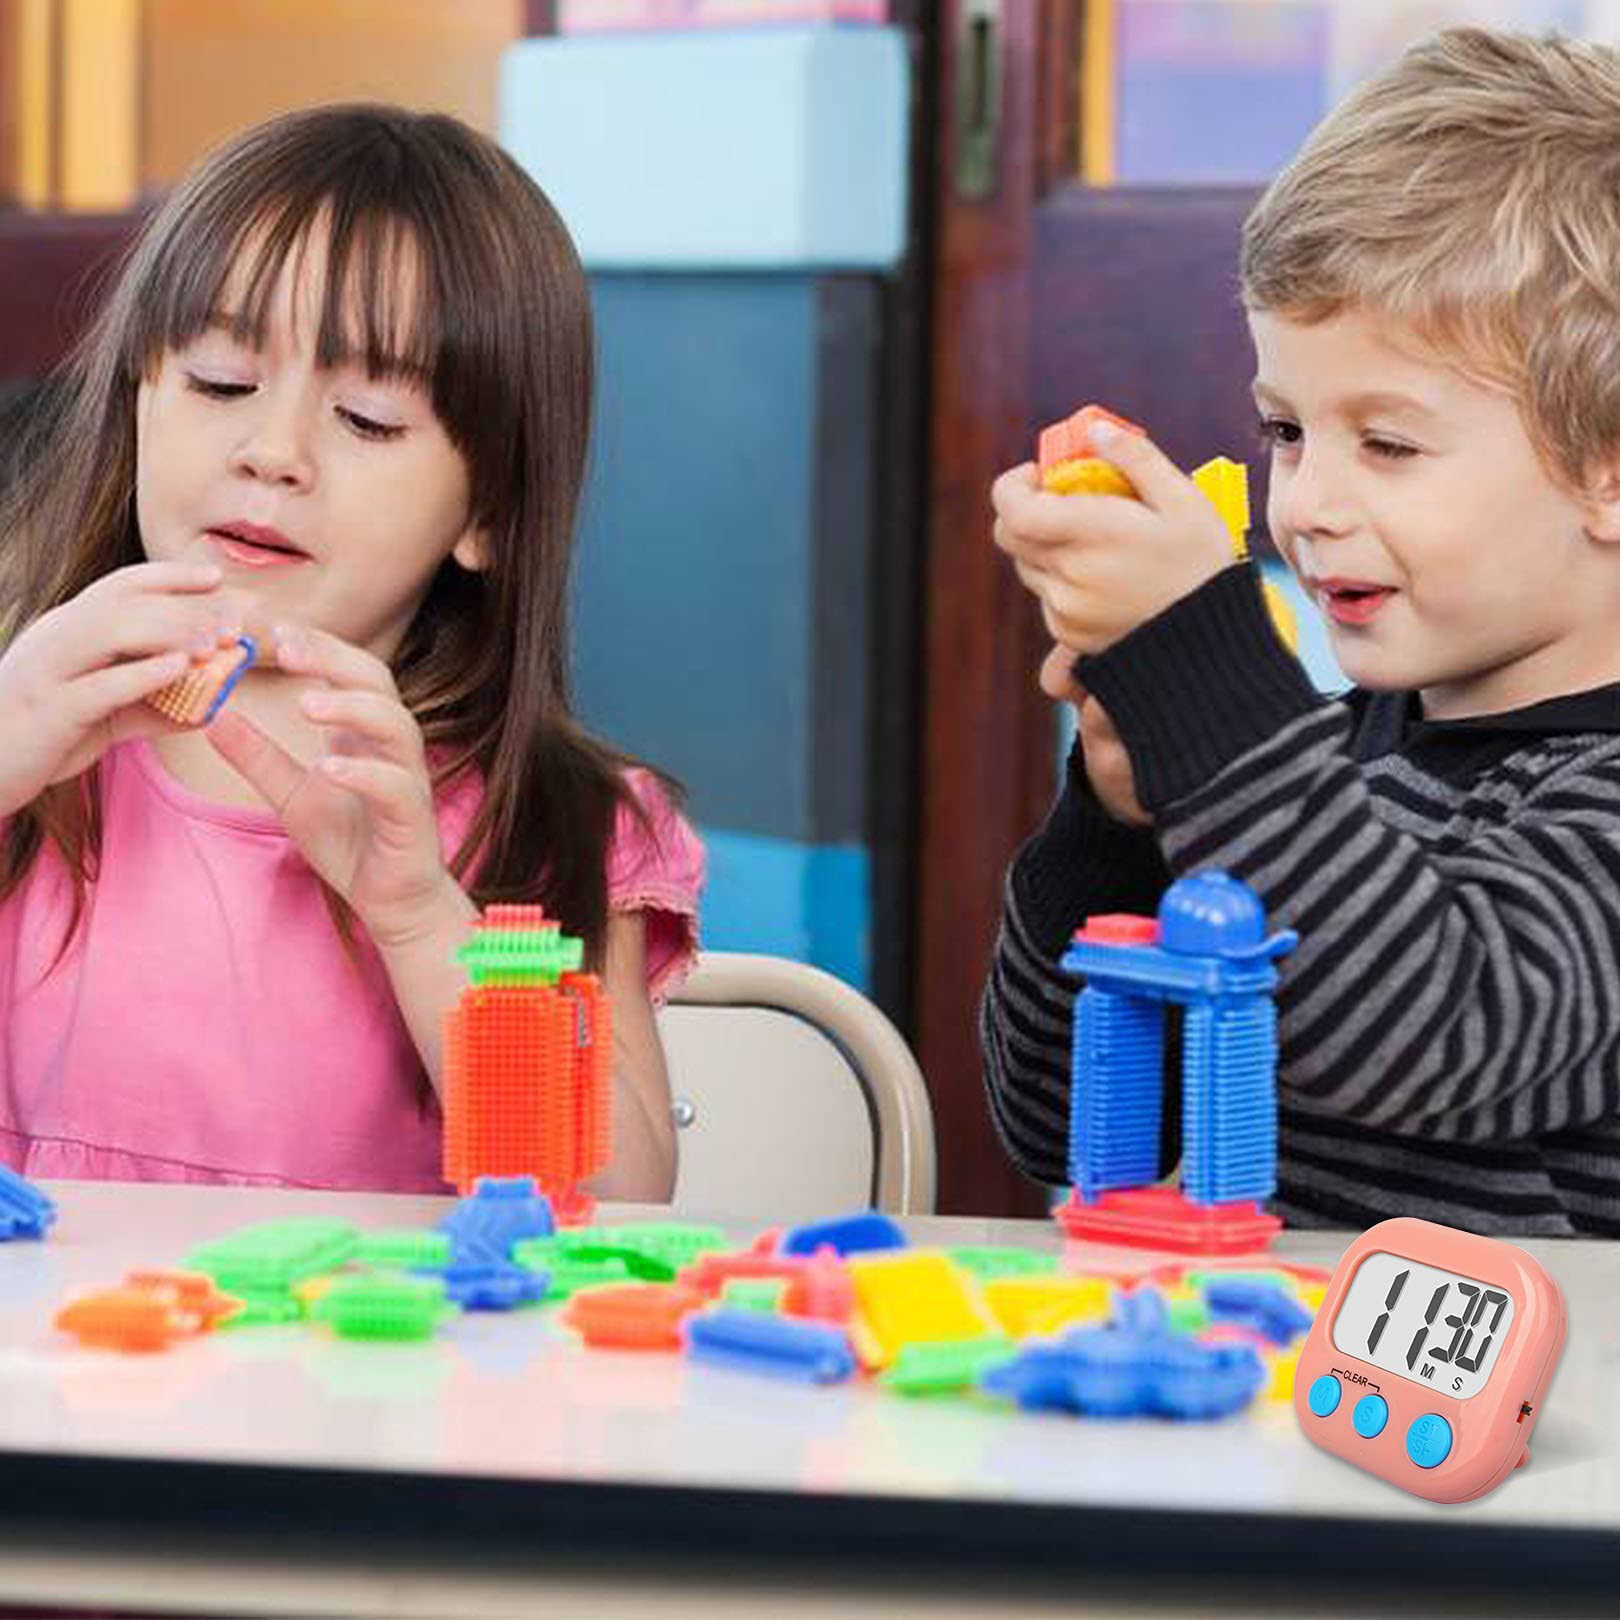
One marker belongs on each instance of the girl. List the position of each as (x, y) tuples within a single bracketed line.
[(339, 398)]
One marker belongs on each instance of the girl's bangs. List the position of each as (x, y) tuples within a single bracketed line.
[(381, 304)]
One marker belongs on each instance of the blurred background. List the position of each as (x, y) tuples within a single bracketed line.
[(847, 257)]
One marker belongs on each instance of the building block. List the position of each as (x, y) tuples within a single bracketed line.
[(528, 1063), (198, 695), (754, 1294), (986, 1261), (853, 1234), (947, 1367), (1068, 466), (1211, 955), (633, 1316), (502, 1211), (1026, 1305), (783, 148), (25, 1212), (492, 1285), (1224, 483), (271, 1257), (821, 1291), (1277, 1315), (405, 1250), (568, 1274), (148, 1311), (382, 1306), (811, 1352), (916, 1298)]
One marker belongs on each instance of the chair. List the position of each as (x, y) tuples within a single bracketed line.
[(795, 1097)]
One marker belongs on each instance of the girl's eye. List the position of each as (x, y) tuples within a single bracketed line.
[(1389, 449), (212, 388), (1278, 433), (368, 429)]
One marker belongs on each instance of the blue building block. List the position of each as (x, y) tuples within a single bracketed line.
[(1214, 958), (502, 1211), (25, 1212), (1268, 1309), (491, 1285), (780, 1346), (1118, 1098), (1194, 1381), (738, 149), (855, 1234)]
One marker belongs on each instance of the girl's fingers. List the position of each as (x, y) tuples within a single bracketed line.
[(302, 650), (400, 802), (103, 692), (380, 722), (259, 759)]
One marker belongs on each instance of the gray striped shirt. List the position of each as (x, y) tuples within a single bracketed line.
[(1450, 1045)]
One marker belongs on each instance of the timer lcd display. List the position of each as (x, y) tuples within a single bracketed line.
[(1437, 1328)]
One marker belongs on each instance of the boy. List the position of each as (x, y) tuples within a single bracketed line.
[(1433, 289)]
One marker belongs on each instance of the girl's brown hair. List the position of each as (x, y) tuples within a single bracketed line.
[(501, 332)]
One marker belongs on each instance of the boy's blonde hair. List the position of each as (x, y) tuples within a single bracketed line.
[(1470, 194)]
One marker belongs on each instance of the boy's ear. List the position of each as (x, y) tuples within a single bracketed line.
[(472, 551), (1603, 501)]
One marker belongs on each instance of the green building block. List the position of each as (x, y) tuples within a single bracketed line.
[(404, 1249), (985, 1261), (945, 1367), (264, 1310), (271, 1257), (753, 1293), (383, 1305)]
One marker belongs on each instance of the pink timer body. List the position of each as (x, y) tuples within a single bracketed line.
[(1430, 1358)]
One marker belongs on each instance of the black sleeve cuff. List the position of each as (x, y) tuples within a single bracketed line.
[(1198, 685), (1083, 863)]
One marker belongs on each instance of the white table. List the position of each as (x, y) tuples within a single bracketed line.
[(503, 1467)]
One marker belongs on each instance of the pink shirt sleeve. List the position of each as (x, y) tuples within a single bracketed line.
[(658, 870)]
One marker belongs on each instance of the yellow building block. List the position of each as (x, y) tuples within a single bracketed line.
[(1026, 1305), (1280, 1369), (1087, 475), (913, 1299), (1225, 485)]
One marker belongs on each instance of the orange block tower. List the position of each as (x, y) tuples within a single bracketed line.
[(528, 1062)]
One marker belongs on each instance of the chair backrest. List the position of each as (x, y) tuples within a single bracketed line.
[(795, 1097)]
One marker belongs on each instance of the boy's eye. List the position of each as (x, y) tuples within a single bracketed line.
[(212, 388), (367, 428), (1390, 449), (1277, 432)]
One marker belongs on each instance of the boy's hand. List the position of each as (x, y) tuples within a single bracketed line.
[(1108, 766), (1103, 564), (362, 815)]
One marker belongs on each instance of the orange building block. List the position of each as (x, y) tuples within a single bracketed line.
[(529, 1063), (1068, 461)]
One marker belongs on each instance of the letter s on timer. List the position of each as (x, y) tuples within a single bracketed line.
[(1430, 1358)]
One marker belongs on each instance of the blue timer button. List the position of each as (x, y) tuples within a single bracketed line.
[(1428, 1441), (1370, 1416), (1325, 1393)]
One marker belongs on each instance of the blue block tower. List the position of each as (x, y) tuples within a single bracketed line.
[(1209, 953)]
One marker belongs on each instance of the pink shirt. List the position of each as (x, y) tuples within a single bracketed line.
[(206, 1023)]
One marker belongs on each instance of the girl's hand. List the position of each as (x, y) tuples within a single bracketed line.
[(362, 814), (1103, 564), (73, 682), (1108, 766)]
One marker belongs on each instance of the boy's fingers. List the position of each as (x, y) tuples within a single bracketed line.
[(1154, 476), (1057, 676)]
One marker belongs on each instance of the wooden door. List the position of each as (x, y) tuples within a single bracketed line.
[(1045, 294)]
